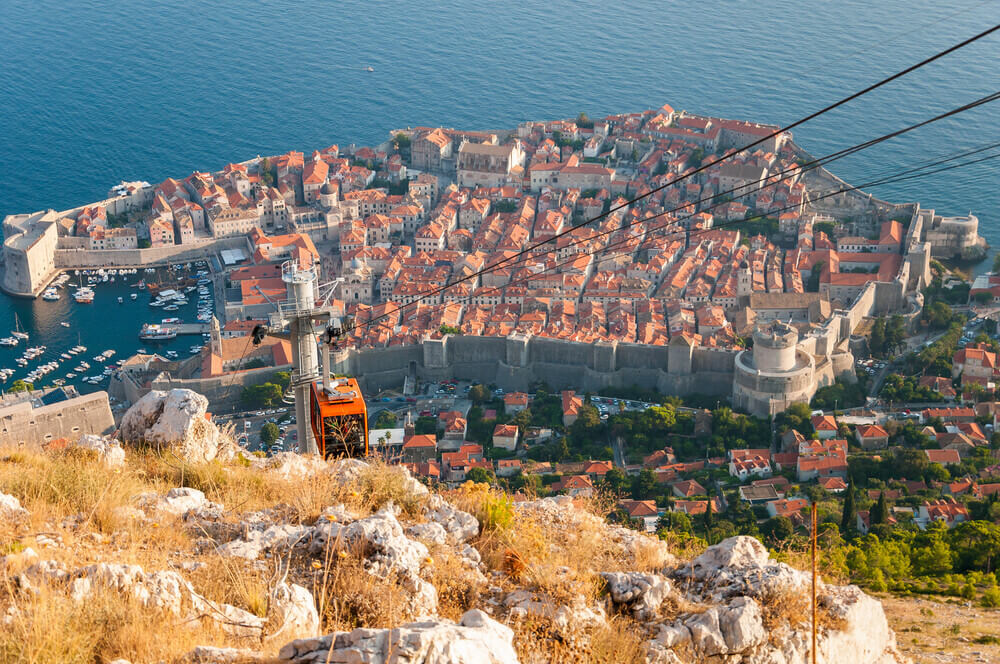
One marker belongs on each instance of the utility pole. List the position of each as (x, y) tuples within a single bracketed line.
[(814, 583)]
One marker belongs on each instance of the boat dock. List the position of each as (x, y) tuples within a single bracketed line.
[(190, 328)]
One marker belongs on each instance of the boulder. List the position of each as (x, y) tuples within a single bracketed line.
[(181, 502), (476, 639), (386, 549), (165, 591), (379, 535), (742, 625), (256, 542), (460, 526), (176, 420), (565, 619), (735, 552), (292, 466), (214, 655), (108, 449), (639, 594), (10, 508), (292, 612)]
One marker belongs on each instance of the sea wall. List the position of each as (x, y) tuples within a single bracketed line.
[(76, 258), (517, 361)]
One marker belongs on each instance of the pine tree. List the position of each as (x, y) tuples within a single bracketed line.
[(880, 513), (849, 519)]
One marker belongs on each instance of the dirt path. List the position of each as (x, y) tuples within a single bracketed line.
[(933, 632)]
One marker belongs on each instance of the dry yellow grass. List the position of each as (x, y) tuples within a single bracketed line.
[(49, 627)]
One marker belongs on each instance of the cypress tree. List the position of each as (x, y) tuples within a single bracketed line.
[(848, 521), (880, 513)]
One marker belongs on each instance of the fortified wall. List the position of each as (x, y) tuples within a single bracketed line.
[(518, 360), (818, 357), (32, 422)]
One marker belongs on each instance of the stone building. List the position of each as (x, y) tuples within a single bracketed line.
[(39, 418), (29, 251), (951, 237), (486, 164), (775, 374)]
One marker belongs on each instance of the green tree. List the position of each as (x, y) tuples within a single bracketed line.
[(260, 396), (615, 480), (21, 386), (479, 394), (876, 342), (848, 519), (425, 426), (644, 485), (777, 529), (269, 433), (675, 521), (480, 475), (144, 244), (879, 513), (385, 420)]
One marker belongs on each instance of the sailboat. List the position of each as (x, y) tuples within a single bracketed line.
[(18, 332)]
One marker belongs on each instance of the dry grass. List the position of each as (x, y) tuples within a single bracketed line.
[(791, 607), (50, 628), (458, 588), (619, 640)]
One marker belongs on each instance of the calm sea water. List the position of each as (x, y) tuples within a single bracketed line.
[(95, 92)]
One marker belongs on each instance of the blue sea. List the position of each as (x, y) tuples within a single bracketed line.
[(93, 92)]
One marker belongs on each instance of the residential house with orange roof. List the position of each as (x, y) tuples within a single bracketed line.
[(574, 485), (419, 448), (872, 437), (825, 426), (945, 510), (505, 436)]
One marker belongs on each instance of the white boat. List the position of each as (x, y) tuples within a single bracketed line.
[(64, 324), (18, 333), (50, 295), (134, 295), (8, 341), (121, 300), (172, 307), (154, 332)]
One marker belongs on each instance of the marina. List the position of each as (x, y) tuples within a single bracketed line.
[(84, 333)]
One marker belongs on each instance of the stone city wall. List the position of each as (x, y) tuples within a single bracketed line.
[(560, 363), (22, 425), (71, 258)]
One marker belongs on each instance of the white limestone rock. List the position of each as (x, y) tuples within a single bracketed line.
[(292, 613), (428, 532), (460, 526), (181, 502), (387, 551), (476, 639), (165, 591), (293, 466), (256, 542), (108, 449), (347, 470), (566, 619), (176, 419), (739, 577), (10, 508), (640, 594), (214, 655)]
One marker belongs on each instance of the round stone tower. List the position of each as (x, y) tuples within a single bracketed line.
[(774, 347)]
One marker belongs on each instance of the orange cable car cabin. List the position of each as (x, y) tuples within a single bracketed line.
[(339, 419)]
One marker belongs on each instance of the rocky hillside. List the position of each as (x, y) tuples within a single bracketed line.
[(171, 546)]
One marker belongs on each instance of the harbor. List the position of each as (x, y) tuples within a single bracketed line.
[(87, 322)]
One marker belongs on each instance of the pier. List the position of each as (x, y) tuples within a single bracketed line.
[(190, 328)]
